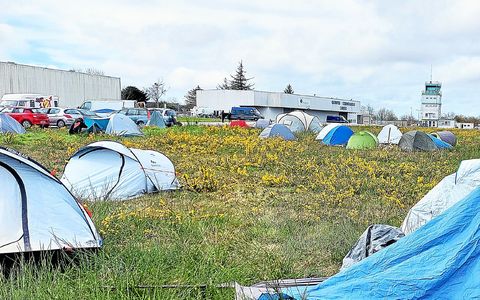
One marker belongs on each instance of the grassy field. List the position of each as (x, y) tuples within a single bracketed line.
[(249, 210)]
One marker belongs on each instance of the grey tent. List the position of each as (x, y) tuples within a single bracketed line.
[(122, 125), (417, 141), (9, 124), (299, 121), (446, 136), (156, 119), (374, 239), (277, 130), (262, 123)]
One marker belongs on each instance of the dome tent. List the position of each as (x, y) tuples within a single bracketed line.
[(156, 119), (122, 125), (338, 136), (38, 212), (109, 170), (277, 130), (325, 130), (446, 136), (298, 121), (420, 141), (390, 134), (362, 140), (9, 124), (262, 123)]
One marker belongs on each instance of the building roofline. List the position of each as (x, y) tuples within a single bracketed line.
[(52, 69), (302, 95)]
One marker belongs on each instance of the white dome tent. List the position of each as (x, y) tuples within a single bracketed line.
[(122, 125), (390, 134), (109, 170), (325, 130), (298, 121), (38, 213)]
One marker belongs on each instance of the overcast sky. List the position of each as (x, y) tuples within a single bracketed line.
[(378, 52)]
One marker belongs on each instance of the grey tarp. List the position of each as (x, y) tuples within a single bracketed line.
[(416, 141), (268, 289), (374, 239), (446, 136), (9, 124)]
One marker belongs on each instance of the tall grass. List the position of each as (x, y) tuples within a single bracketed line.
[(262, 210)]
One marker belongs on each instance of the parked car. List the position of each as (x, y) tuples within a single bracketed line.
[(336, 119), (138, 115), (81, 113), (244, 113), (105, 108), (169, 115), (27, 116), (59, 117)]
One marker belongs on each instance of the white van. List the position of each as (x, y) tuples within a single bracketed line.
[(29, 100), (106, 107)]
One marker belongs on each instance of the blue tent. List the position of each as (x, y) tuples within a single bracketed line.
[(440, 144), (9, 124), (96, 124), (156, 119), (440, 260), (338, 136), (122, 125), (278, 130)]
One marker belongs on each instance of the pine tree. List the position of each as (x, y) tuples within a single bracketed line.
[(239, 80), (288, 89), (224, 86), (191, 97)]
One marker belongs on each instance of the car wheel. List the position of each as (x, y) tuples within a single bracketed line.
[(140, 124), (60, 123), (26, 124)]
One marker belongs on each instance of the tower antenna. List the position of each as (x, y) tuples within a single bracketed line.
[(431, 72)]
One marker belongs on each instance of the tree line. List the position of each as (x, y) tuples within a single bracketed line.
[(155, 92)]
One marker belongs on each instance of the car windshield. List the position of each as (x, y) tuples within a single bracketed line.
[(8, 103), (87, 113), (170, 113)]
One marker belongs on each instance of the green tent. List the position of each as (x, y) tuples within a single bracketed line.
[(362, 140)]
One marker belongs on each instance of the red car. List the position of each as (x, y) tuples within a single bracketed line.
[(27, 116)]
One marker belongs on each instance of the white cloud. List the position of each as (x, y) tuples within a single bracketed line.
[(377, 51)]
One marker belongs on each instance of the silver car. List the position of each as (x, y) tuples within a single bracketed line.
[(60, 117)]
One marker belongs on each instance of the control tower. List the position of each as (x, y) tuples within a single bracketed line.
[(431, 104)]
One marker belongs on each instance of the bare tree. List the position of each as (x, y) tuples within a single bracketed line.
[(384, 114), (156, 91)]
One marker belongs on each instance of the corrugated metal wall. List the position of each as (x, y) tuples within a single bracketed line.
[(71, 87)]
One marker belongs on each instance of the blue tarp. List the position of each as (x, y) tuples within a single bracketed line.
[(96, 124), (338, 136), (440, 260), (440, 144)]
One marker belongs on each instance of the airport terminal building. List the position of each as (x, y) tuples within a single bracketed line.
[(271, 104), (71, 87)]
